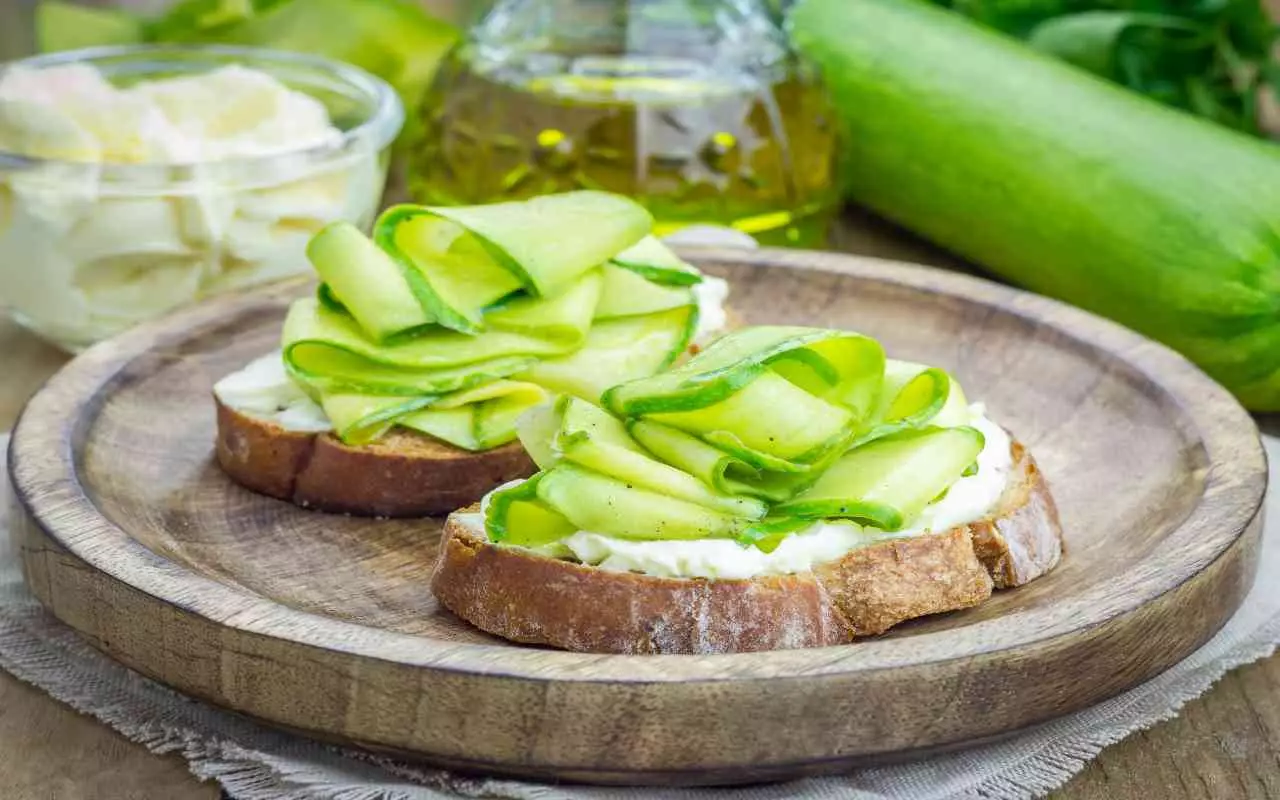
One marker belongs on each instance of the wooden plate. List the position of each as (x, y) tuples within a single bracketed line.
[(325, 624)]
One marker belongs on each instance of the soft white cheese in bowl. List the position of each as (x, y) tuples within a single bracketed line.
[(139, 179)]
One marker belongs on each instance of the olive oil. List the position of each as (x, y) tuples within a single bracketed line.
[(696, 138)]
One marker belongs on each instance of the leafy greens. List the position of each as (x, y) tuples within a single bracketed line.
[(1208, 57)]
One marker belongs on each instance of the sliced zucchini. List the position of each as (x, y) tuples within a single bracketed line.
[(458, 261), (806, 368), (548, 242), (767, 534), (888, 482), (313, 334), (600, 504), (516, 516), (333, 370), (770, 423), (583, 423), (915, 396), (654, 261), (366, 281), (686, 452), (592, 438), (617, 351), (736, 359), (626, 294), (898, 377), (451, 321), (537, 430), (764, 433), (564, 319), (362, 418), (454, 275), (477, 419)]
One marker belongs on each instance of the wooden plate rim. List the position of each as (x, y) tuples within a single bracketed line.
[(1232, 498)]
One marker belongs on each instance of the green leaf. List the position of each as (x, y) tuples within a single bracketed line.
[(1207, 57), (1016, 17), (1093, 40), (1271, 78), (1250, 28)]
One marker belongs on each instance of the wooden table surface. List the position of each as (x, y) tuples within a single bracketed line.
[(1224, 745)]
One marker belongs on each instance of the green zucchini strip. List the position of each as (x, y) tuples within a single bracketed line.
[(653, 260), (516, 516), (627, 294), (899, 378), (778, 399), (767, 534), (458, 261), (548, 242), (617, 351), (765, 433), (770, 423), (738, 358), (477, 419), (537, 431), (591, 438), (565, 318), (888, 482), (451, 273), (907, 405), (361, 418), (432, 323), (688, 453), (366, 282), (601, 504)]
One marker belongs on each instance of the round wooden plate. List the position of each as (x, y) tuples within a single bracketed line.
[(325, 624)]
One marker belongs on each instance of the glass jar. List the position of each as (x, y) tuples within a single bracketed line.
[(88, 249), (699, 109)]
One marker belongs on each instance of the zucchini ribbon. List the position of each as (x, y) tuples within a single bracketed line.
[(765, 432), (455, 321)]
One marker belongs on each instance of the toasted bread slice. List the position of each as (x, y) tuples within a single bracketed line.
[(403, 474), (522, 596)]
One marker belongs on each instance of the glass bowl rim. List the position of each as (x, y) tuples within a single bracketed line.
[(378, 129)]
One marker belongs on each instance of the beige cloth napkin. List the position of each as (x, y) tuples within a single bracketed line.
[(254, 762)]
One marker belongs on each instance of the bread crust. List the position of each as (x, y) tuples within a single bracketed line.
[(528, 598), (1026, 542), (403, 474)]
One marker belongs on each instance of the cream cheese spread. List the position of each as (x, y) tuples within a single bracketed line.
[(85, 253), (230, 112), (264, 390), (710, 296), (969, 499)]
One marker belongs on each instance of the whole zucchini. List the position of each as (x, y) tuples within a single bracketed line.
[(1059, 181)]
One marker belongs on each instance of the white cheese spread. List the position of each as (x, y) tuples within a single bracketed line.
[(85, 253), (710, 296), (969, 499), (264, 390), (73, 113)]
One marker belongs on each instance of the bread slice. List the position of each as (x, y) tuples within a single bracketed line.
[(524, 597), (403, 474)]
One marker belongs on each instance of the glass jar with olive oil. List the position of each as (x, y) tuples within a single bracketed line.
[(697, 108)]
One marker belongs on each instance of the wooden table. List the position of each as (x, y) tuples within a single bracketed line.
[(1224, 745)]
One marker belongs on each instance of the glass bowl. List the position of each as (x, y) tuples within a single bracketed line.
[(88, 249)]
